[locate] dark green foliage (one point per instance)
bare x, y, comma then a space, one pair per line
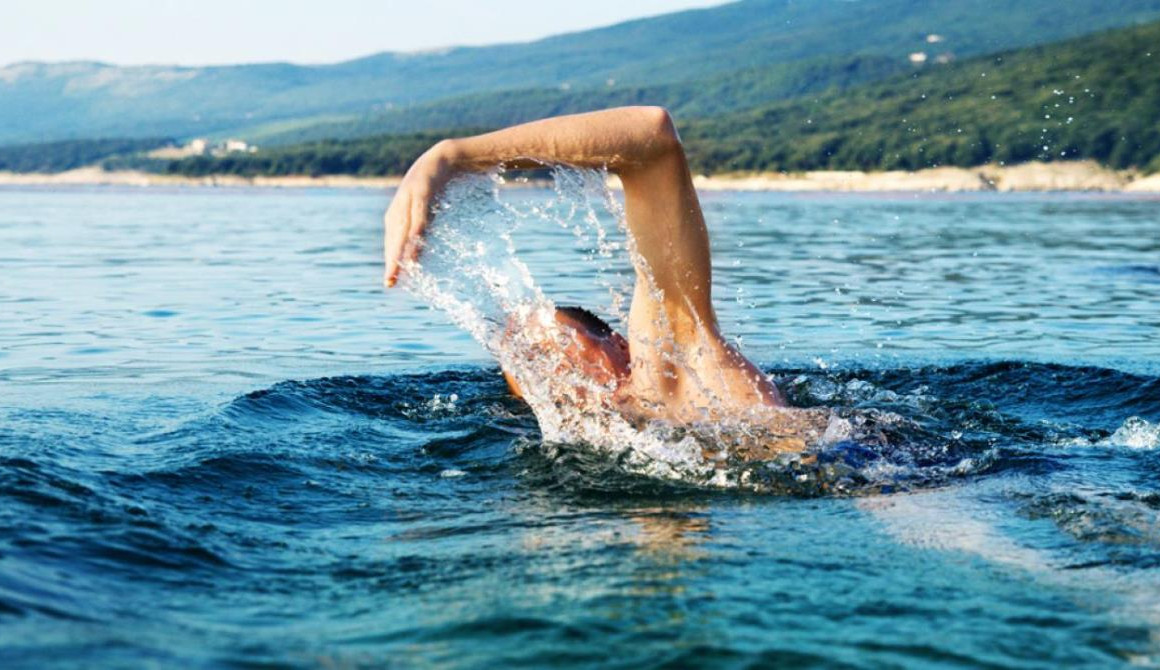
70, 154
1096, 97
366, 157
68, 100
744, 89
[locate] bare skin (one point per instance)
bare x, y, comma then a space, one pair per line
679, 366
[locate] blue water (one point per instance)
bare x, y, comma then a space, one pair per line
223, 445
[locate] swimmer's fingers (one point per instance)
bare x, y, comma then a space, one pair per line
404, 223
395, 233
420, 214
407, 218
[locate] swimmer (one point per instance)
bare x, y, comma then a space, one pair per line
674, 364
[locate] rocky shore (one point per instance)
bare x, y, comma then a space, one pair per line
1058, 176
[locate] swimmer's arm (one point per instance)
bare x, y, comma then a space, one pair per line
639, 144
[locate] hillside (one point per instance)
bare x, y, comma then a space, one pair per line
1095, 97
70, 154
365, 158
698, 98
41, 102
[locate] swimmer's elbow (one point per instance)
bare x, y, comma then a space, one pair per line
657, 119
661, 138
448, 150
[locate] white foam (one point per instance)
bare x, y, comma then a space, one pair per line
1135, 433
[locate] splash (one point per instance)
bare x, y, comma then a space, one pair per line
1135, 433
472, 271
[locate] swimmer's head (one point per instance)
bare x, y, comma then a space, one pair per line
586, 343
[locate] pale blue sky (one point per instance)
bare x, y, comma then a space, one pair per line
199, 32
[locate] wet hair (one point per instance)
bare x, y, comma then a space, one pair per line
597, 325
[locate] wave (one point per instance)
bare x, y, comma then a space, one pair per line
908, 427
224, 492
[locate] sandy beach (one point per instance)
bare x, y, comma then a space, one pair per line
1036, 176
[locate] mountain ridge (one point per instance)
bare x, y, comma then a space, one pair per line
184, 101
1094, 97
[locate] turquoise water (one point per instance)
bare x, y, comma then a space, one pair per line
222, 445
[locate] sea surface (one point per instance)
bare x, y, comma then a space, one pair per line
223, 444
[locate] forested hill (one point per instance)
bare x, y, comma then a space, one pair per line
1095, 97
698, 98
71, 154
50, 101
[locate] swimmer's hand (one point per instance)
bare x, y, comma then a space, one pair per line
410, 211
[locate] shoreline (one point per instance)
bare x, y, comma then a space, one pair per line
1072, 176
91, 176
1081, 176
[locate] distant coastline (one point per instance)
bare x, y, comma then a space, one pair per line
1080, 176
95, 176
